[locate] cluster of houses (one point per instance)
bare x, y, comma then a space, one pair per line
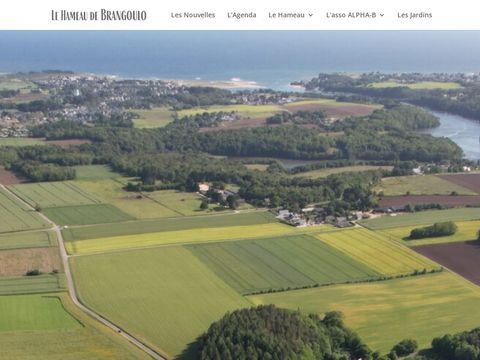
86, 97
16, 123
306, 217
8, 132
263, 98
313, 216
433, 168
108, 91
206, 190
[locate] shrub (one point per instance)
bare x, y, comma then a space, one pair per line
33, 272
405, 347
438, 229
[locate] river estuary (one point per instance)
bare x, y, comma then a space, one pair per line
465, 132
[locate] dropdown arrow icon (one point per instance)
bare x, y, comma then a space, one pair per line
310, 15
382, 15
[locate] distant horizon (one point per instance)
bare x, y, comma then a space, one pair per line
271, 58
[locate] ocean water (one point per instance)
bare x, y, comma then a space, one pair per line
271, 58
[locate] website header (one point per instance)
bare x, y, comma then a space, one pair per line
245, 15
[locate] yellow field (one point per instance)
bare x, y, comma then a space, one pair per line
323, 173
377, 251
152, 118
421, 85
327, 102
187, 237
386, 312
268, 110
259, 167
420, 185
467, 230
246, 111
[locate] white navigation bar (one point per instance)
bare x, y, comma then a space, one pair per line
244, 15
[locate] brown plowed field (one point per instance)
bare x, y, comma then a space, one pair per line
17, 262
447, 200
7, 177
462, 258
65, 143
469, 181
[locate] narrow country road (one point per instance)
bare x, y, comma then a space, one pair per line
71, 286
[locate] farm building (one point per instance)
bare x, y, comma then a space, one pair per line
202, 187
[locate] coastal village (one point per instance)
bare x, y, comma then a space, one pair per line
93, 97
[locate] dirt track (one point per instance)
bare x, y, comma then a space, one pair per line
73, 292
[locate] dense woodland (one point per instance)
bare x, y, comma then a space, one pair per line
179, 155
267, 332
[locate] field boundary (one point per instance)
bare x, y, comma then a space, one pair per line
366, 281
143, 193
202, 242
73, 294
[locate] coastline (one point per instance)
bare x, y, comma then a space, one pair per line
221, 84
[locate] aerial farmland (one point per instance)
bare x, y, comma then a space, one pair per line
135, 233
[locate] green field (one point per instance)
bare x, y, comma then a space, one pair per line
184, 237
467, 230
421, 85
327, 103
172, 296
376, 251
152, 118
259, 167
16, 84
383, 313
94, 172
264, 111
51, 194
422, 218
34, 312
182, 203
86, 339
134, 204
31, 284
245, 111
27, 240
180, 223
15, 216
419, 185
323, 173
279, 263
20, 142
86, 214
